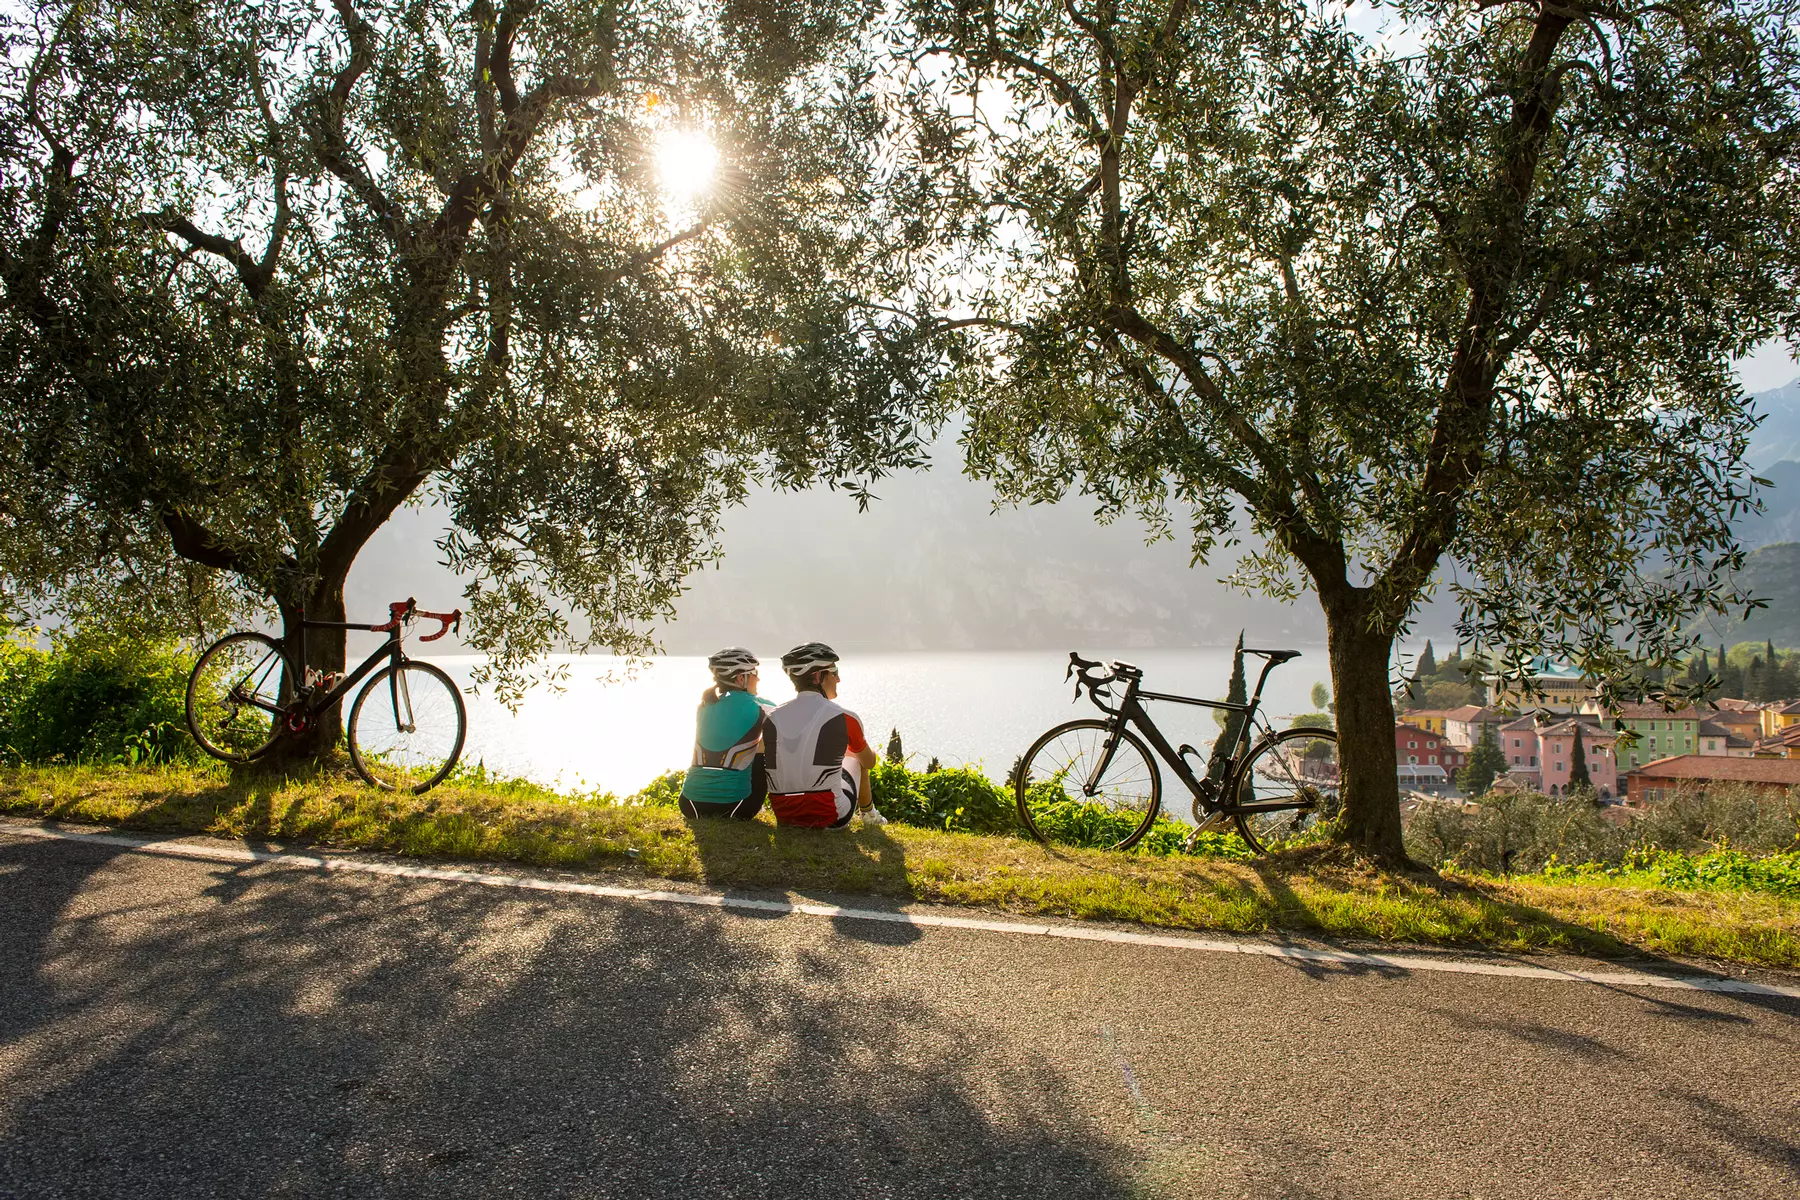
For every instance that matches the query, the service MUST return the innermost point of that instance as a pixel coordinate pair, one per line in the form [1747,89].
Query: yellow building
[1432,720]
[1779,716]
[1555,687]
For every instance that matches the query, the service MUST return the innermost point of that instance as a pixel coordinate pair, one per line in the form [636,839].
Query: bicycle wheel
[1289,784]
[1062,797]
[407,727]
[236,694]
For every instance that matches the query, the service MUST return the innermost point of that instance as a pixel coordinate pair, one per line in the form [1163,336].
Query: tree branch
[1465,411]
[332,144]
[194,542]
[643,258]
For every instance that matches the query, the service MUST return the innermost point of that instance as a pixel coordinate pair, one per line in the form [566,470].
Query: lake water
[983,709]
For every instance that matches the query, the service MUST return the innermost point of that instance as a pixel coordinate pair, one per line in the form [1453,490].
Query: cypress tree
[1486,761]
[1578,772]
[1427,662]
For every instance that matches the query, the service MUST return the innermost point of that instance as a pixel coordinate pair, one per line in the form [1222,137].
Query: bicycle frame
[391,650]
[1221,766]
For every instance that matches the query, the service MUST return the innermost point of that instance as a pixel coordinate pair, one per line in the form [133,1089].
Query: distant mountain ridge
[932,566]
[1778,437]
[1772,574]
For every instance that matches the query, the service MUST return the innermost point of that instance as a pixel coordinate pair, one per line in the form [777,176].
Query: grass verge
[1314,894]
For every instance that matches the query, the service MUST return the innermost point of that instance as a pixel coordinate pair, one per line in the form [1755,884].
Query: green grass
[1312,892]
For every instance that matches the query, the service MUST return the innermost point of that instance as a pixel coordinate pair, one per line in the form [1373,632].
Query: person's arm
[865,757]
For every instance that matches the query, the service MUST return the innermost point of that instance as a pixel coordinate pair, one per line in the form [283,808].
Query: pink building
[1541,754]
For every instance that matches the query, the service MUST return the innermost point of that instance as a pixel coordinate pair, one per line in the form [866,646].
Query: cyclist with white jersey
[815,751]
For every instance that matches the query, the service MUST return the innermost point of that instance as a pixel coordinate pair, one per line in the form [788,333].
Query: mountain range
[932,565]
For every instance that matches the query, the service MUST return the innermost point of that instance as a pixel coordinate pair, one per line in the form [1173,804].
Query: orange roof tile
[1716,768]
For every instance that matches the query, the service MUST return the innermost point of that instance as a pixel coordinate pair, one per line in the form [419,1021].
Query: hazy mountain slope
[1778,437]
[928,566]
[1773,574]
[1780,520]
[931,566]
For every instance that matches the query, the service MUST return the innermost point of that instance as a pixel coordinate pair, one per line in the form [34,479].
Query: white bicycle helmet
[731,662]
[802,661]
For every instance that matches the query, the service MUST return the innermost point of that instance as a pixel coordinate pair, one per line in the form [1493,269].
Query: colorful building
[1462,726]
[1431,720]
[1423,758]
[1657,732]
[1557,687]
[1778,715]
[1541,754]
[1716,738]
[1785,744]
[1662,779]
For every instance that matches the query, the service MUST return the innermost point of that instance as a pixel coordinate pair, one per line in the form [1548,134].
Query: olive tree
[1468,310]
[269,271]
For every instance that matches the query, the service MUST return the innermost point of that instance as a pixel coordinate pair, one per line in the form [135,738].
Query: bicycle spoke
[1064,795]
[406,728]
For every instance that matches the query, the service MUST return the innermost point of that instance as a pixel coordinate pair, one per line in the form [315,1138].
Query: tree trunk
[324,655]
[1365,723]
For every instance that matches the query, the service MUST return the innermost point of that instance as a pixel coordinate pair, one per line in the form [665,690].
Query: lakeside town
[1552,734]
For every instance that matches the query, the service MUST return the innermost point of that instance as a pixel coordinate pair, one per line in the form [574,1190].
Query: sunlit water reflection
[979,708]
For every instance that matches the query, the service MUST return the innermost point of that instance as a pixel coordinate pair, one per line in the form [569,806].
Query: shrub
[955,798]
[1724,869]
[1515,832]
[94,697]
[1693,819]
[662,792]
[1525,832]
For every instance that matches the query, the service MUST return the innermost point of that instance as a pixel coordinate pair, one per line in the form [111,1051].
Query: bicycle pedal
[1214,823]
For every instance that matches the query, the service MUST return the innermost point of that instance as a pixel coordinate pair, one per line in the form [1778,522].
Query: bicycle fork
[402,699]
[1092,784]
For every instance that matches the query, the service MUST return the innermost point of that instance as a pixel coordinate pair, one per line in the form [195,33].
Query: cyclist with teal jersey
[727,777]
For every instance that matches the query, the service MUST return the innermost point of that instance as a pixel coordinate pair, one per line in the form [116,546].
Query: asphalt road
[195,1029]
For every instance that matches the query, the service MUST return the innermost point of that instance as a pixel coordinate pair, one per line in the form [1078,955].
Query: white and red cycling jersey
[804,747]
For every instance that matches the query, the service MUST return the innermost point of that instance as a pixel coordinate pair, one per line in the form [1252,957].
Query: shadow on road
[867,868]
[369,1038]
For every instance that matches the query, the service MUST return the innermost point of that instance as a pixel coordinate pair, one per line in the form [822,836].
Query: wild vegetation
[92,697]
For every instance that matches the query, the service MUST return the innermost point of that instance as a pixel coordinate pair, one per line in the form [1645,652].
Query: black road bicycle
[405,729]
[1272,788]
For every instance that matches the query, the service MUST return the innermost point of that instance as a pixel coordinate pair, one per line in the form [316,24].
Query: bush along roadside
[93,697]
[963,800]
[1725,869]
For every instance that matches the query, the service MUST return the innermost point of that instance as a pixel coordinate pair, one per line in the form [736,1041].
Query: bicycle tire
[414,759]
[1044,763]
[252,658]
[1274,776]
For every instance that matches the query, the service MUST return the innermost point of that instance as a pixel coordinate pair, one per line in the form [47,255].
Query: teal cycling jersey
[726,736]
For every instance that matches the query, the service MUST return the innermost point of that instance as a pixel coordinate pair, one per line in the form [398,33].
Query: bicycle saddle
[1274,656]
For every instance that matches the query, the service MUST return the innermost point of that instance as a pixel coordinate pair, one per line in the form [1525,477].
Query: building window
[1534,760]
[1559,766]
[1515,743]
[1412,758]
[1412,745]
[1434,760]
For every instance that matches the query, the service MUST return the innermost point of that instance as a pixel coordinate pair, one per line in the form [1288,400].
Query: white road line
[1346,958]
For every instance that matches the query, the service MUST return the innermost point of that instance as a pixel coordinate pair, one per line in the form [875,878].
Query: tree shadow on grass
[367,1037]
[1557,934]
